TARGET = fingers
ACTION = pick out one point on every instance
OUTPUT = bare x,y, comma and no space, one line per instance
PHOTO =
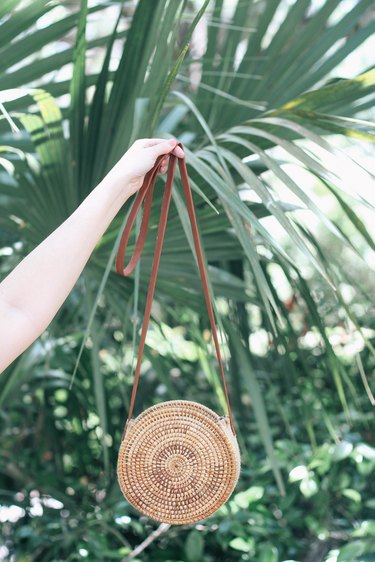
157,145
163,165
146,143
162,146
178,152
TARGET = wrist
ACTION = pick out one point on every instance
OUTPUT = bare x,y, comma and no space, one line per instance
117,189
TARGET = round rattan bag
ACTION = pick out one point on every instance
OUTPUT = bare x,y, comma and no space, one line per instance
179,461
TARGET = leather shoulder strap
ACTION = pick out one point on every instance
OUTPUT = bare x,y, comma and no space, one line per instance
145,194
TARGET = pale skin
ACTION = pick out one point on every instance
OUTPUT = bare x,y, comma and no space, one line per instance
32,294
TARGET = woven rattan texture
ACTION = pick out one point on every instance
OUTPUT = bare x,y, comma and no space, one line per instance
178,462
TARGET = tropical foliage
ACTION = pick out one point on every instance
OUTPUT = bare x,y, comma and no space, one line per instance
261,100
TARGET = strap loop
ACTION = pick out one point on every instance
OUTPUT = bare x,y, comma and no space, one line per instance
145,194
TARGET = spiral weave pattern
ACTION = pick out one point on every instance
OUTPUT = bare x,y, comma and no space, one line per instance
178,462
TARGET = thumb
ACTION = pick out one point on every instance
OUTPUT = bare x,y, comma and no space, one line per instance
163,147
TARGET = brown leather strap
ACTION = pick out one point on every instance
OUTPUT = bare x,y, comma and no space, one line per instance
145,193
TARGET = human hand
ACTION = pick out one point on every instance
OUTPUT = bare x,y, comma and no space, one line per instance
132,167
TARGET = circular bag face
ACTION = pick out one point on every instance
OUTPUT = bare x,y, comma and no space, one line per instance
178,462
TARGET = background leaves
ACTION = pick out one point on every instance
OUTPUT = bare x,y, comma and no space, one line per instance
262,97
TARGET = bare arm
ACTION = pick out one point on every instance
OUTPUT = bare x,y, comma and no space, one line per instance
32,294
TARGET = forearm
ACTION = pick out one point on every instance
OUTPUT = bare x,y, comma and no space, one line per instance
41,282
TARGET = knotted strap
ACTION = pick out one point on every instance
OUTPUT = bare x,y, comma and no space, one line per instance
145,193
